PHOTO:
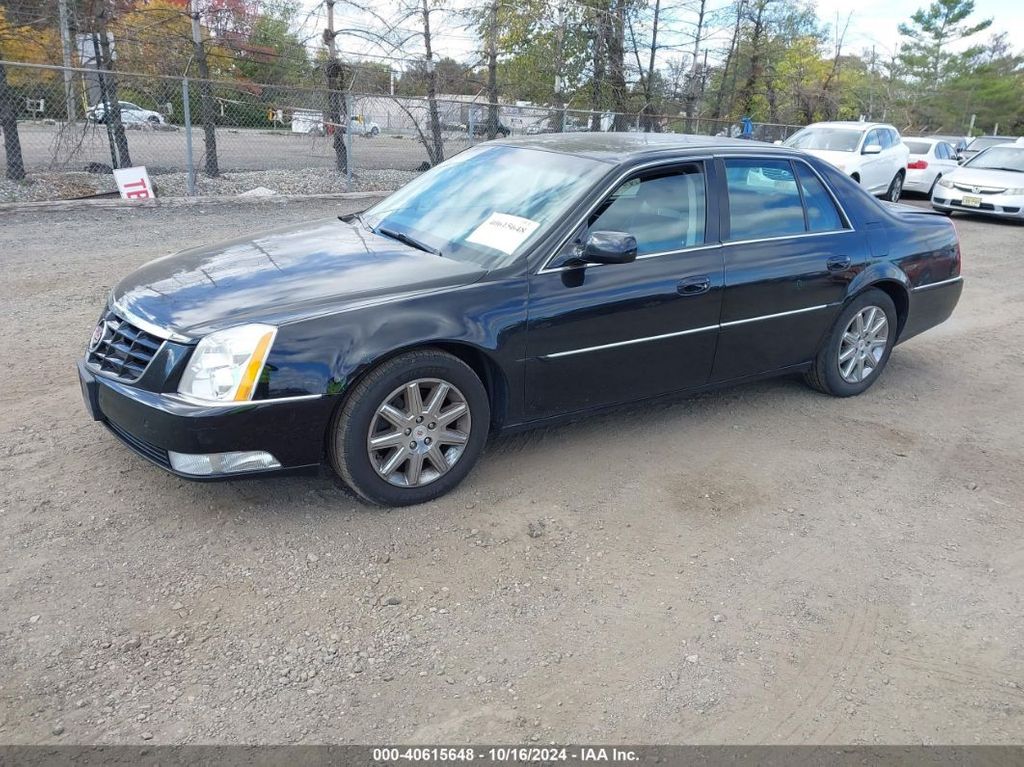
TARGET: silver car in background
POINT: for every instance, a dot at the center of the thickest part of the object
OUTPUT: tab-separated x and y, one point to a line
991	183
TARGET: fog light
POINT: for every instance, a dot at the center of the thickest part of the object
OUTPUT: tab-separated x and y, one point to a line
205	464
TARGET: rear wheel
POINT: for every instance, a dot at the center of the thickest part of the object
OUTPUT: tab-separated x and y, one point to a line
411	430
857	347
895	190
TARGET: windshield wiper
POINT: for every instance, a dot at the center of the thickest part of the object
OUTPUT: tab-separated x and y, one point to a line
350	217
408	240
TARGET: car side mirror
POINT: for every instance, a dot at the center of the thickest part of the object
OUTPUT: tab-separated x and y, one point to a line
872	149
609	248
777	142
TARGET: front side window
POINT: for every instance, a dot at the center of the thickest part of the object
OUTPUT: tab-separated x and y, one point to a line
873	139
664	210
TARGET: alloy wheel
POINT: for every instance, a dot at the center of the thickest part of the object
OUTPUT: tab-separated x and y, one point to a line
896	189
863	344
419	432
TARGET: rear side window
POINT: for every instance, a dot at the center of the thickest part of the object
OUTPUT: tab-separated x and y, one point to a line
764	200
822	215
767	200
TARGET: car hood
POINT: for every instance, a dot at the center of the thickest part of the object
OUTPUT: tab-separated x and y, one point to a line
841	160
282	275
1003	179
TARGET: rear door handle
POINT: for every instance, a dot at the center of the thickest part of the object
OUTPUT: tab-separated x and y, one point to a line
694	286
838	263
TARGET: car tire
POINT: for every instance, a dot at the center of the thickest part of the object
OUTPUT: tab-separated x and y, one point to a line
850	359
384	475
374	131
895	190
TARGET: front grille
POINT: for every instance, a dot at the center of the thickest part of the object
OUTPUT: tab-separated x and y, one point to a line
124	351
156	454
979	189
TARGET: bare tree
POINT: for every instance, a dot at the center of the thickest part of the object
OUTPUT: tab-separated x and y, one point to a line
616	36
492	68
435	148
694	81
337	112
207	113
599	45
9	125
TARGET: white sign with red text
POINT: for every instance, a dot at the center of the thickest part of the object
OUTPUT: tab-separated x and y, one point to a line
133	183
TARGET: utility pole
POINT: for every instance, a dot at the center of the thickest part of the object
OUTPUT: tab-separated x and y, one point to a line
65	50
492	69
206	110
337	117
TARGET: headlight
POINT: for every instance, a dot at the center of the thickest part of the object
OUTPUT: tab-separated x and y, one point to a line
226	365
946	183
1015	192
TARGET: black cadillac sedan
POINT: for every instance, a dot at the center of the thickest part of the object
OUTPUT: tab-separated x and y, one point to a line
520	282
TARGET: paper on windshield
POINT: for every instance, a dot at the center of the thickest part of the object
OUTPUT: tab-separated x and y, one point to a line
503	232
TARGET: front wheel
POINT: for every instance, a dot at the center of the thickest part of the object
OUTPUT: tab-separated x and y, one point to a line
895	189
857	347
411	430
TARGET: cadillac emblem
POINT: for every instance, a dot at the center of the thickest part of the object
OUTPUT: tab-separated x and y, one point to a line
98	335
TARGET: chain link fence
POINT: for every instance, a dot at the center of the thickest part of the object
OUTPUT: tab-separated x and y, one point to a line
219	137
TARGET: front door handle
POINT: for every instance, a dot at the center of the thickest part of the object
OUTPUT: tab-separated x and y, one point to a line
838	263
694	286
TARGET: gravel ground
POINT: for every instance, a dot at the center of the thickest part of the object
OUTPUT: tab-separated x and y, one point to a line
300	164
68	185
758	565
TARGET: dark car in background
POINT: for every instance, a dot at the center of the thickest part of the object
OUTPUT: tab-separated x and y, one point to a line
519	283
981	143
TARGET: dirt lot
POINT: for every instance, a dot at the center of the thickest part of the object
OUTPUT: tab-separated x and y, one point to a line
763	564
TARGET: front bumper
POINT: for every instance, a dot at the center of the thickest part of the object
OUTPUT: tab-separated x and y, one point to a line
1001	205
153	423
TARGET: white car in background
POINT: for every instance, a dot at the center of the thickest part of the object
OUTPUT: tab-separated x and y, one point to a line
873	154
991	182
131	114
930	160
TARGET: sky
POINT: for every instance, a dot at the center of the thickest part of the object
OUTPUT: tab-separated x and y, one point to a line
874	23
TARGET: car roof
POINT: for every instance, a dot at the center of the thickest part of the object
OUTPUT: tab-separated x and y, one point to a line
623	147
850	124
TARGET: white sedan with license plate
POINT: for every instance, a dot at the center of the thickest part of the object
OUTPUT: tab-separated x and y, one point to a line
991	183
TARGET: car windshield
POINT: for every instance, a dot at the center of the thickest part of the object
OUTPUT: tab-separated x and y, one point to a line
998	158
918	147
487	204
832	139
